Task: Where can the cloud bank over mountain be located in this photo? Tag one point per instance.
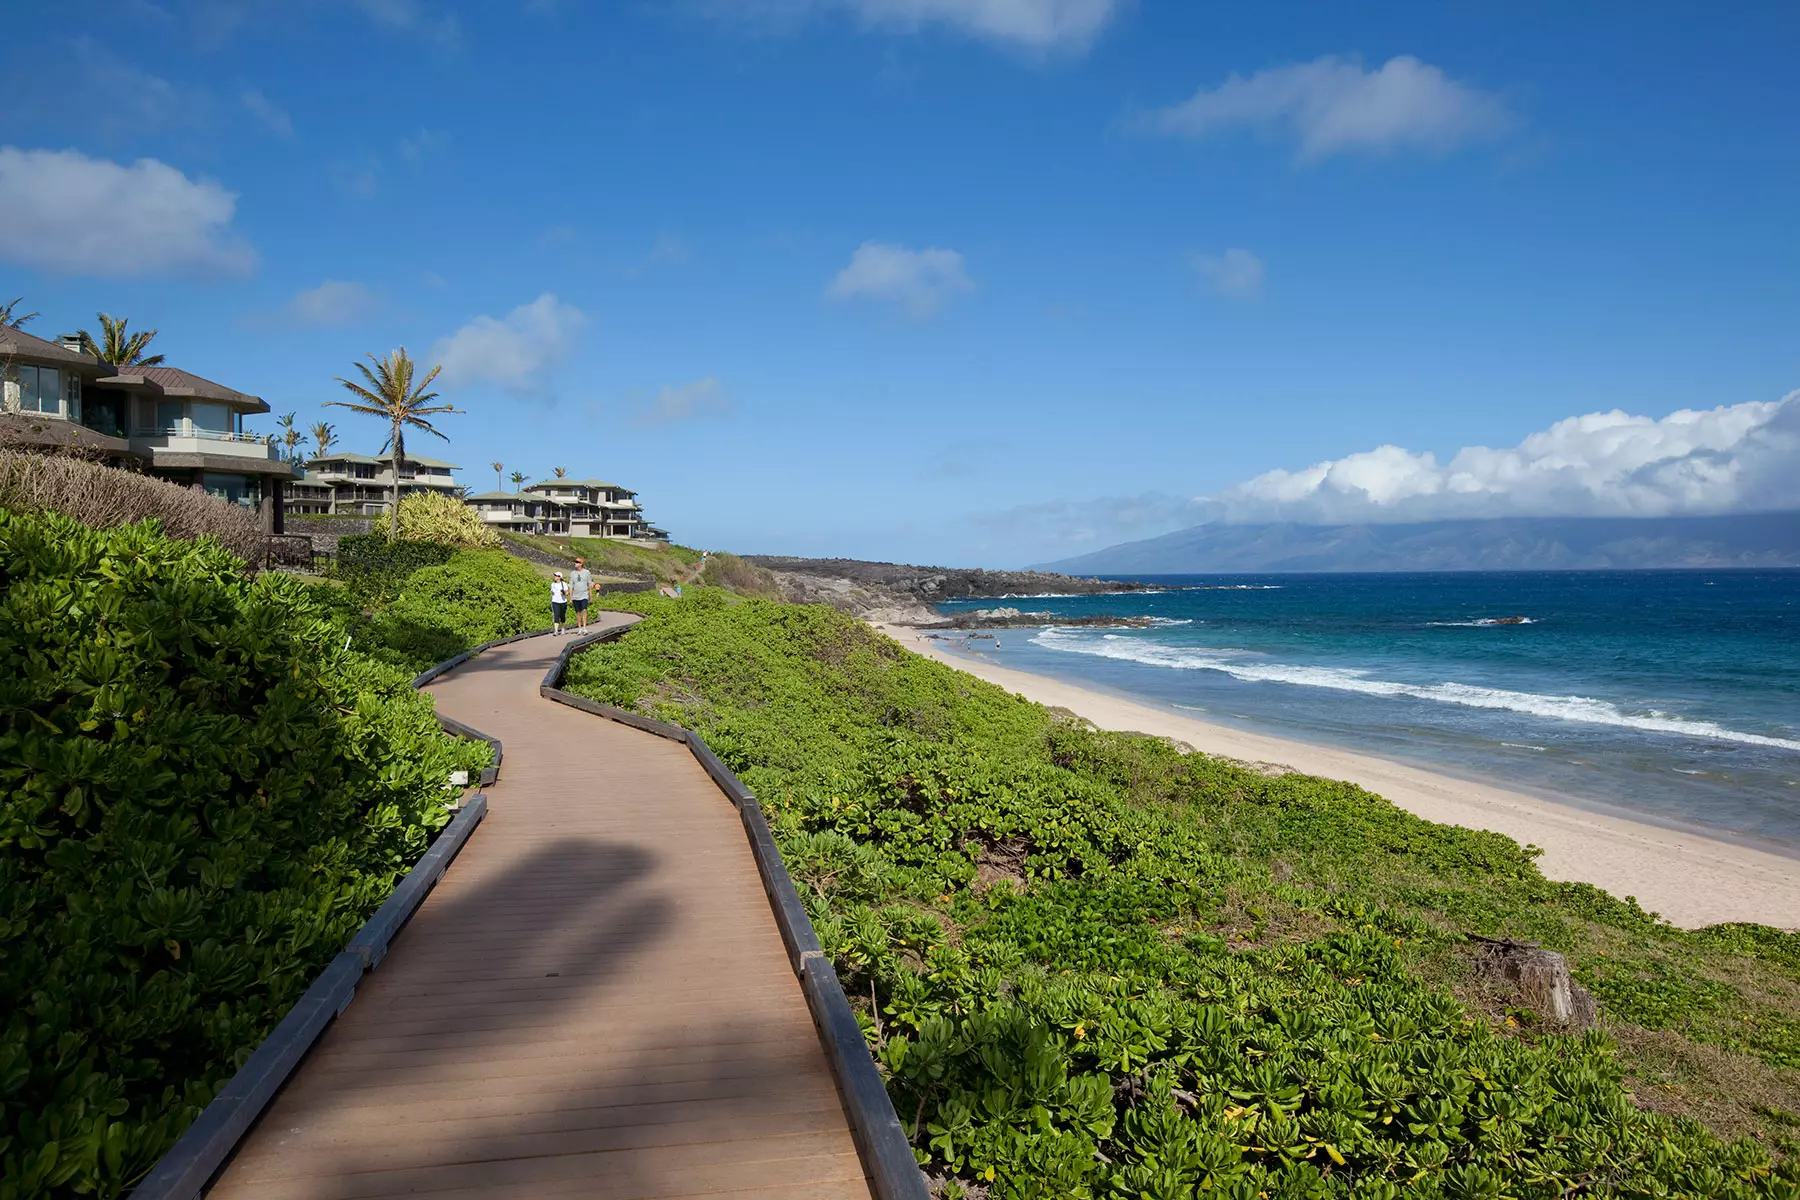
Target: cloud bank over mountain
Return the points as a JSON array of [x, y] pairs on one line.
[[1736, 458]]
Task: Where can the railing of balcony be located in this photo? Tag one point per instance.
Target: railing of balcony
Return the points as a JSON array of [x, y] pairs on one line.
[[190, 430]]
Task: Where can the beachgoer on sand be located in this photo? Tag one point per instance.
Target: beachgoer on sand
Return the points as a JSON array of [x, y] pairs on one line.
[[579, 582], [559, 603]]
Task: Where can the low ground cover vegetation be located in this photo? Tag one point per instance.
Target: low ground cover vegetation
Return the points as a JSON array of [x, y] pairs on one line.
[[661, 561], [204, 795], [1092, 964]]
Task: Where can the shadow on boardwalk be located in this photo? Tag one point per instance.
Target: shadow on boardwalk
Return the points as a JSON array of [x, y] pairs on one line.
[[595, 1000], [507, 1113]]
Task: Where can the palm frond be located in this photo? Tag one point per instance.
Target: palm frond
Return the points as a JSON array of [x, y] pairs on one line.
[[10, 318]]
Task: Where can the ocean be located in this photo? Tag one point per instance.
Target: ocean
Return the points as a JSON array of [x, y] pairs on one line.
[[1669, 696]]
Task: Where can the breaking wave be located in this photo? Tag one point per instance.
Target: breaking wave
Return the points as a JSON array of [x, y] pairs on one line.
[[1482, 622], [1241, 665]]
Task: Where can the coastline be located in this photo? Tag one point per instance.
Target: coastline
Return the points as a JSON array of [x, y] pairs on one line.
[[1689, 878]]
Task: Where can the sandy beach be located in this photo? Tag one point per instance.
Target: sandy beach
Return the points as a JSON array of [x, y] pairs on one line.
[[1690, 879]]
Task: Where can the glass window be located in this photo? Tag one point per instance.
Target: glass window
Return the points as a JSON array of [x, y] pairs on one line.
[[212, 418], [168, 416], [233, 489], [40, 390], [72, 396]]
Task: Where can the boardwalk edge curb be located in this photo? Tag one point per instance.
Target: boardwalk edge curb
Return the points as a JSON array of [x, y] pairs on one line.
[[188, 1166], [881, 1140]]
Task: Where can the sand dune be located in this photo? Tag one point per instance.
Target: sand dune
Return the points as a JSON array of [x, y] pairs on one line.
[[1690, 879]]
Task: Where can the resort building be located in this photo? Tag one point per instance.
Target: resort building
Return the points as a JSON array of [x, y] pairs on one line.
[[595, 508], [518, 512], [588, 508], [162, 420], [363, 484]]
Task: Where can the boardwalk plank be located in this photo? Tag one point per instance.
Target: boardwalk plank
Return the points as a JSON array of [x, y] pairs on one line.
[[594, 1000]]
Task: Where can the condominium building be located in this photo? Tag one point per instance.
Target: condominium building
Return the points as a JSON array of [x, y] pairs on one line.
[[161, 420], [569, 508], [364, 484]]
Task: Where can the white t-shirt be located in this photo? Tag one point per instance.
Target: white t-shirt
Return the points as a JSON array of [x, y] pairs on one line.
[[559, 592]]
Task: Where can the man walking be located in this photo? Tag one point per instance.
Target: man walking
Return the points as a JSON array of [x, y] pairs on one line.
[[579, 582]]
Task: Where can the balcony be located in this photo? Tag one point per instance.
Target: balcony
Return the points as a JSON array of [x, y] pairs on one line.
[[188, 438]]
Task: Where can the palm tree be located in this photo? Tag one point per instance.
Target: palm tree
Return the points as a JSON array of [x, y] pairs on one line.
[[9, 319], [498, 466], [324, 435], [391, 394], [561, 472], [291, 437], [518, 481], [118, 347]]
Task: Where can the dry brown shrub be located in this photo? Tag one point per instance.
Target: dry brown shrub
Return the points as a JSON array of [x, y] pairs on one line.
[[101, 497]]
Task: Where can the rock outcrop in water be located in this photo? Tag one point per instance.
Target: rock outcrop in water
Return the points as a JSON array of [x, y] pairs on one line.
[[1013, 618], [899, 594]]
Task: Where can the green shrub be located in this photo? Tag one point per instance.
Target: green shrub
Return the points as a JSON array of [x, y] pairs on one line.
[[477, 596], [436, 517], [204, 796], [1097, 966], [373, 568]]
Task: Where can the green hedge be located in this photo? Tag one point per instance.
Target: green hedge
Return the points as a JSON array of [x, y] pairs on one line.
[[1092, 965], [475, 596], [373, 567], [205, 795]]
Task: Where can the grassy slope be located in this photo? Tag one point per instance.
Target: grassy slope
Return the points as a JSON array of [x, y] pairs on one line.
[[666, 563], [438, 612], [1271, 972]]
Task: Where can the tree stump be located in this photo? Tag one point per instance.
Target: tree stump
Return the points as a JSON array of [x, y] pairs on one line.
[[1540, 981]]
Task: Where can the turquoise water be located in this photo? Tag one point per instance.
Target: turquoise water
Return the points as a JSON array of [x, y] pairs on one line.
[[1672, 695]]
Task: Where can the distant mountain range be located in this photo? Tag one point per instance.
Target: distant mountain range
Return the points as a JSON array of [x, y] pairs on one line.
[[1505, 544]]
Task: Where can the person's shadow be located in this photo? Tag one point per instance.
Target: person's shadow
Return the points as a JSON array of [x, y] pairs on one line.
[[452, 1071]]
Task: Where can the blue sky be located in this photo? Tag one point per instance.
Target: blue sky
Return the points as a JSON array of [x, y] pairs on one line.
[[964, 281]]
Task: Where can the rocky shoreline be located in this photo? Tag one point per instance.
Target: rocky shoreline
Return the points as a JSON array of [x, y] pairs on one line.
[[901, 594], [1012, 618]]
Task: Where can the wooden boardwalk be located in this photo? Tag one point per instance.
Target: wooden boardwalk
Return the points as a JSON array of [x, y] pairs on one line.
[[593, 1002]]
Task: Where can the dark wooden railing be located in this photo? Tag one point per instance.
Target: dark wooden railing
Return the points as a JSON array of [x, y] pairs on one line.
[[190, 1164], [880, 1138]]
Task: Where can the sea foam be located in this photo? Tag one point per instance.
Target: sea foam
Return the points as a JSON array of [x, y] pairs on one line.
[[1582, 709]]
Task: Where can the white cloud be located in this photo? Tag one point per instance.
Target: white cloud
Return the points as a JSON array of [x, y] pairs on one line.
[[920, 280], [1235, 273], [1333, 106], [515, 352], [358, 180], [414, 148], [411, 16], [1741, 458], [269, 113], [62, 211], [334, 302], [1033, 24], [686, 402], [120, 97]]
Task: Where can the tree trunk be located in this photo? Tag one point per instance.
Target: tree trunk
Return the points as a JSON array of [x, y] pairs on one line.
[[394, 508]]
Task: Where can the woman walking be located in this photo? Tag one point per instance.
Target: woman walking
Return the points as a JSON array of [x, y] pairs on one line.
[[559, 603]]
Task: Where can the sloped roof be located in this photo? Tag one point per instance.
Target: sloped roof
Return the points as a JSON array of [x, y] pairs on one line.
[[19, 344], [510, 497], [176, 382], [355, 458], [417, 460], [586, 483]]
